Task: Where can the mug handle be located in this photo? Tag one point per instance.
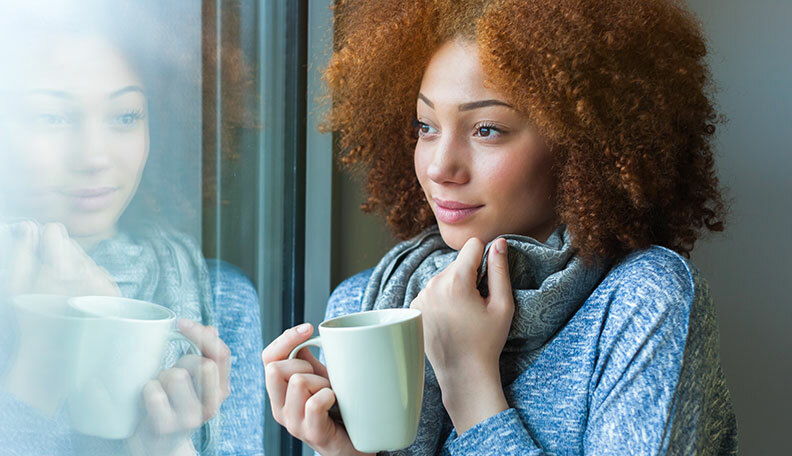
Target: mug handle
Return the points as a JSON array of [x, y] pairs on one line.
[[192, 349], [316, 342]]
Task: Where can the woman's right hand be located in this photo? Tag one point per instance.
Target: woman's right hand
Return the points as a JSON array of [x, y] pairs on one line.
[[47, 260], [300, 395]]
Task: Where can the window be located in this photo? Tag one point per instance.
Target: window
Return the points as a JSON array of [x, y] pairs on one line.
[[153, 154]]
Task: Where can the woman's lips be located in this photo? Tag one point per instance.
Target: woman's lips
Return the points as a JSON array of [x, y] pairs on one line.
[[454, 211], [91, 199]]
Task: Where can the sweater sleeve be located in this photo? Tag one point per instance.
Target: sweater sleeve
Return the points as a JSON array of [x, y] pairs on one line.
[[656, 383], [346, 298], [238, 317]]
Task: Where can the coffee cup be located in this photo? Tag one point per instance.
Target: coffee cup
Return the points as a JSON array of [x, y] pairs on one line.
[[375, 364], [122, 347]]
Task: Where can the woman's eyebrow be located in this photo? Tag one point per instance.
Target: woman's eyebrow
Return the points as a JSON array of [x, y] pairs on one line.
[[483, 103], [131, 88], [52, 93], [471, 105]]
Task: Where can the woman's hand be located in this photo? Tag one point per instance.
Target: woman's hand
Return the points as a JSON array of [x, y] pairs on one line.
[[464, 333], [300, 395], [185, 396], [49, 261]]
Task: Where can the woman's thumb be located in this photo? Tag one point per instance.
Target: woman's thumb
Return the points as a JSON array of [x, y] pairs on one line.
[[498, 280]]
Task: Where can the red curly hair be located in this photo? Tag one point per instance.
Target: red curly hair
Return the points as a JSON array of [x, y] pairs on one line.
[[619, 89]]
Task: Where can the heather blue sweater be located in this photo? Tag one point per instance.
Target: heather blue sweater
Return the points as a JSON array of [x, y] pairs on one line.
[[636, 370]]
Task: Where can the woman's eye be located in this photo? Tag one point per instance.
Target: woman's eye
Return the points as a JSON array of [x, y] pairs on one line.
[[51, 120], [423, 129], [127, 119], [488, 131]]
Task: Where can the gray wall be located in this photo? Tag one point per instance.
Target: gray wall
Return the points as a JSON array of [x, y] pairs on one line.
[[748, 267], [359, 240]]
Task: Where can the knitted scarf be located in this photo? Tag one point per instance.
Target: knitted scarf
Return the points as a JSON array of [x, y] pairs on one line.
[[549, 282]]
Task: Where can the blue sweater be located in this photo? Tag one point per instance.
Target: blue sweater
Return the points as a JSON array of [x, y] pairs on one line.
[[636, 370]]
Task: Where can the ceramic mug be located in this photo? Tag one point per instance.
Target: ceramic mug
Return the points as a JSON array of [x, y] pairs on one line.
[[123, 346], [375, 361]]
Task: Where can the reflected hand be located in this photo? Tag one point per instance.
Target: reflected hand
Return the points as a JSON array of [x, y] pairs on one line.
[[185, 396], [300, 395], [49, 261]]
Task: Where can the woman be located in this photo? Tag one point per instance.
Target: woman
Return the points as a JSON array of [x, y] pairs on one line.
[[79, 135], [562, 149]]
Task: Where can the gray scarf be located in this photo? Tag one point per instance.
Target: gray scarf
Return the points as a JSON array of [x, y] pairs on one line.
[[167, 268], [549, 282]]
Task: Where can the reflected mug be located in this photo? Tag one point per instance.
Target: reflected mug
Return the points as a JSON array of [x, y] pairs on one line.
[[375, 361], [123, 345]]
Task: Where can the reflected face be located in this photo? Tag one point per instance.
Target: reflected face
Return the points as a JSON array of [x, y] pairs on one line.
[[80, 137], [483, 169]]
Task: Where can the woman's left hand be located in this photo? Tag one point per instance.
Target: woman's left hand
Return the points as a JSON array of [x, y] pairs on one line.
[[185, 396], [464, 333]]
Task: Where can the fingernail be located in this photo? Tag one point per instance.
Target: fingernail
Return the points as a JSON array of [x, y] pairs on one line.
[[500, 246], [215, 331], [303, 328], [185, 323]]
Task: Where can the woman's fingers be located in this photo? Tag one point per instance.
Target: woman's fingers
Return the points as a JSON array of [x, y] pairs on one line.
[[178, 385], [469, 259], [301, 387], [206, 381], [319, 427], [498, 280], [56, 255], [18, 268], [276, 377], [212, 347], [160, 415], [280, 348], [317, 365]]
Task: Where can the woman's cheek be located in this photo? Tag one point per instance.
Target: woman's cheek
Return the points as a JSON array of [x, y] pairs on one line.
[[132, 154], [421, 162]]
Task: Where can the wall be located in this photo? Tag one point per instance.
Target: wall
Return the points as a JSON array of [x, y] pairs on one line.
[[750, 266]]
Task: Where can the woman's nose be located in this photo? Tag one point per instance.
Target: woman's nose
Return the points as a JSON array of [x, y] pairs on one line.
[[449, 163], [91, 154]]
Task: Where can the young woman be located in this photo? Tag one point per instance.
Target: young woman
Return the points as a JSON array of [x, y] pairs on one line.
[[75, 138], [558, 173]]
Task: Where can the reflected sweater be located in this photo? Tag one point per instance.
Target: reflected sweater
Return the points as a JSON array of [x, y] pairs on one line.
[[636, 370]]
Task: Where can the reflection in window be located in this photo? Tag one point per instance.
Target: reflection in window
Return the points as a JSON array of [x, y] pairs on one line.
[[101, 195]]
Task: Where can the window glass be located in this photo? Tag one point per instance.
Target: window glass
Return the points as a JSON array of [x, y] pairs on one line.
[[141, 225]]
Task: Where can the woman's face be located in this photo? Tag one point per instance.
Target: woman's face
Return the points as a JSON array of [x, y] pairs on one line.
[[483, 169], [80, 138]]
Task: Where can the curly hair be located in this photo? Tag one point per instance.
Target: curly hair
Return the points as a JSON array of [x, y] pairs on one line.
[[619, 89]]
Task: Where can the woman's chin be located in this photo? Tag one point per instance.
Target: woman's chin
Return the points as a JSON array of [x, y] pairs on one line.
[[456, 236], [94, 227]]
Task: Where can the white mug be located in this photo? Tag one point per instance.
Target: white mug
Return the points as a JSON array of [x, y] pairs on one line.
[[375, 361], [123, 345]]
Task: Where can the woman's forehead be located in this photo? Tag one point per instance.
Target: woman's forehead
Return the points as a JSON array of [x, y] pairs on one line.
[[455, 77], [79, 65]]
